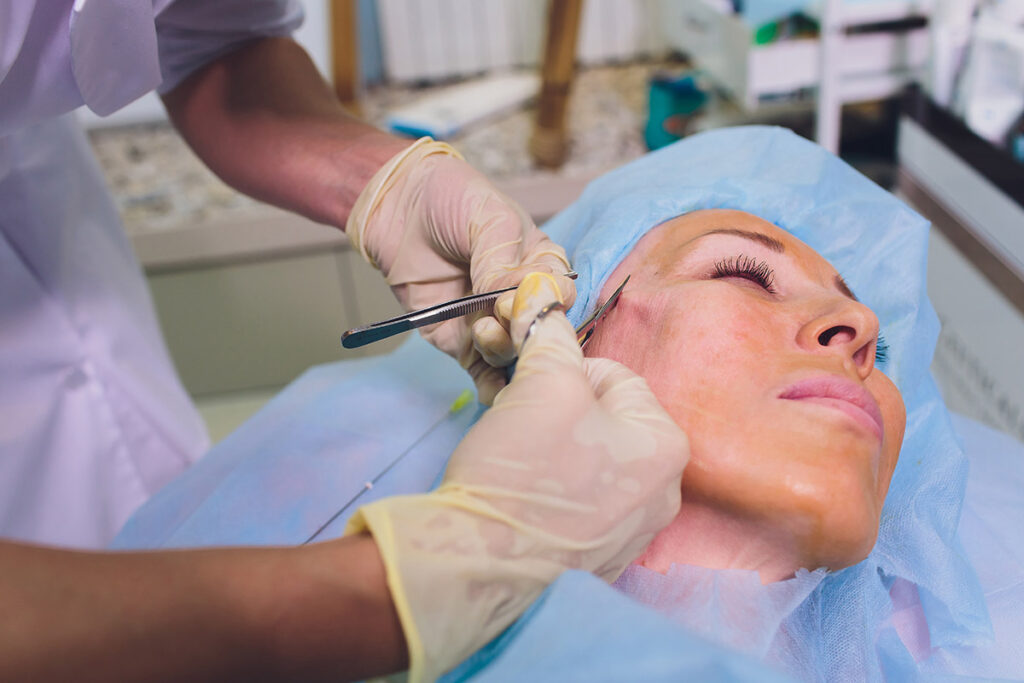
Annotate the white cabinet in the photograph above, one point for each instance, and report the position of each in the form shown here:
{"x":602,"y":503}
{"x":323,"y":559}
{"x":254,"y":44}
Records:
{"x":721,"y":43}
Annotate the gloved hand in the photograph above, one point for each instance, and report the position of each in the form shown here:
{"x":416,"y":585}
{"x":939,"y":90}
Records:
{"x":576,"y":466}
{"x":438,"y":230}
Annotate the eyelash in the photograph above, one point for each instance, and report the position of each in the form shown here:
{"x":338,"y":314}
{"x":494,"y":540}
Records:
{"x":881,"y":349}
{"x":748,"y":268}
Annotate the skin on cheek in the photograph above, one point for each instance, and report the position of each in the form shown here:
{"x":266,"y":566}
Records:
{"x":631,"y":331}
{"x":894,"y":414}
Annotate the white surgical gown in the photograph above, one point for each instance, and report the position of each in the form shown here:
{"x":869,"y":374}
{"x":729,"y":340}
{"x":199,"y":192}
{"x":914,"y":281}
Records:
{"x":93,"y":419}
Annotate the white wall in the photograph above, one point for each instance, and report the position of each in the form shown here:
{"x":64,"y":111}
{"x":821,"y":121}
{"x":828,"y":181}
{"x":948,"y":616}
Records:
{"x":424,"y":40}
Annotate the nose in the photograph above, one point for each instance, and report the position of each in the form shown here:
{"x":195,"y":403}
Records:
{"x":845,"y":328}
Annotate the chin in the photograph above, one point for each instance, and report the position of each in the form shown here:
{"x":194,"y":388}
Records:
{"x":843,"y":534}
{"x":823,"y":517}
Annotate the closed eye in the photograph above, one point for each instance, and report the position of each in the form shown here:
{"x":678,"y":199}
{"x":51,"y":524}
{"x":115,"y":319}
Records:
{"x":748,"y":268}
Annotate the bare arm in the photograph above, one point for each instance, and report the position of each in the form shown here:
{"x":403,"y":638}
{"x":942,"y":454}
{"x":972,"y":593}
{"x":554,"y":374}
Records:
{"x":320,"y":612}
{"x":265,"y":121}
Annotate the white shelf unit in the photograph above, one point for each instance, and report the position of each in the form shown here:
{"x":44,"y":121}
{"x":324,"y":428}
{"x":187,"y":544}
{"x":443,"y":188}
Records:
{"x":845,"y":67}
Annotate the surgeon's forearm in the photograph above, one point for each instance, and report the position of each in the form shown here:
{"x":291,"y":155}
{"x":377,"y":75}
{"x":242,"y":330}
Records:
{"x":265,"y":121}
{"x":316,"y":613}
{"x":338,"y":621}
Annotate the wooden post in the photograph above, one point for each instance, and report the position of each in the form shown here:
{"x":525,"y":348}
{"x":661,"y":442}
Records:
{"x":345,"y":53}
{"x":549,"y":144}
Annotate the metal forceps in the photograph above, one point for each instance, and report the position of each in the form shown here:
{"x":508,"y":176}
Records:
{"x":361,"y":336}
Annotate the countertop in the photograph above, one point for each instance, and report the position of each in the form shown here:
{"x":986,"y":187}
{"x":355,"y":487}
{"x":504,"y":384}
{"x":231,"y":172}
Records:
{"x":160,"y":186}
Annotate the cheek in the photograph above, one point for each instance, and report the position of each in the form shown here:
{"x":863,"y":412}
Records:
{"x":632,"y":333}
{"x":719,"y":358}
{"x":675,"y":339}
{"x":894,"y":415}
{"x":704,"y":348}
{"x":649,"y":330}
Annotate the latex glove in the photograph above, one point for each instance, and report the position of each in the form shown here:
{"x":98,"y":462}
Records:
{"x":576,"y":466}
{"x":438,"y":230}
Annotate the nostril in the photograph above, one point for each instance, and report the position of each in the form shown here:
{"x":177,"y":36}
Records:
{"x":839,"y":334}
{"x":861,"y":356}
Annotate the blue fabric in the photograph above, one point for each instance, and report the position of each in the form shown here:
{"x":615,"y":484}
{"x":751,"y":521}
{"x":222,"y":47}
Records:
{"x":991,"y":531}
{"x":612,"y":638}
{"x":310,"y":453}
{"x":312,"y":449}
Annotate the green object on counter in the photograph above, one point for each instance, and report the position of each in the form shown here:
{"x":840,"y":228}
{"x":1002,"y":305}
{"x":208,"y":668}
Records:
{"x":793,"y":27}
{"x":766,"y":33}
{"x":463,"y":399}
{"x":672,"y":101}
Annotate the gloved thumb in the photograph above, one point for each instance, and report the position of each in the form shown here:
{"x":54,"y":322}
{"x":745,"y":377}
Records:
{"x":550,"y":358}
{"x":626,"y":395}
{"x":536,"y":293}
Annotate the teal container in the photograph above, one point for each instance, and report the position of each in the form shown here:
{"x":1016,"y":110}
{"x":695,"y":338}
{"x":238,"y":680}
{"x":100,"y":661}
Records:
{"x":672,"y":102}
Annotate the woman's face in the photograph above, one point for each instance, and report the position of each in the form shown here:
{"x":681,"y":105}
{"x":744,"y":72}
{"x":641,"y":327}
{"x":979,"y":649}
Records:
{"x":760,"y":352}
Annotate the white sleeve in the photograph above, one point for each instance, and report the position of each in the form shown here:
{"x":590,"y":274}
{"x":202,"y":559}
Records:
{"x":192,"y":33}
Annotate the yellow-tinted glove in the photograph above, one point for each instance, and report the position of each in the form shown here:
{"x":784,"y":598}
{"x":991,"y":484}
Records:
{"x":576,"y":466}
{"x":438,"y":230}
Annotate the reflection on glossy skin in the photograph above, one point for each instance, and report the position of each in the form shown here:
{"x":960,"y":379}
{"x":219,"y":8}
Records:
{"x":756,"y":348}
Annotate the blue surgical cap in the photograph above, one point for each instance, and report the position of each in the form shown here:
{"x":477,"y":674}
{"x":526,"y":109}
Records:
{"x":879,"y":245}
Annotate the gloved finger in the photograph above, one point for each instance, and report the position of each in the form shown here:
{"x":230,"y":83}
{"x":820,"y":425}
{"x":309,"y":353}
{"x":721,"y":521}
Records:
{"x":552,"y":337}
{"x":536,"y":291}
{"x":508,"y":246}
{"x":452,"y":337}
{"x":566,"y":289}
{"x":488,"y":380}
{"x":503,"y":307}
{"x":493,"y":342}
{"x":625,"y":395}
{"x":549,"y":371}
{"x":506,"y":238}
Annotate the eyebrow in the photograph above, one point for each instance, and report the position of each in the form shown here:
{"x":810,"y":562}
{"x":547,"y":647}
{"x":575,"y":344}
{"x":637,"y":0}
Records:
{"x":845,"y":288}
{"x":766,"y":240}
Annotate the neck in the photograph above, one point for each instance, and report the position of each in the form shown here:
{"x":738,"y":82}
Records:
{"x":704,"y":536}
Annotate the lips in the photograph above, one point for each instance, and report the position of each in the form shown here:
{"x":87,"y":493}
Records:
{"x":840,"y":394}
